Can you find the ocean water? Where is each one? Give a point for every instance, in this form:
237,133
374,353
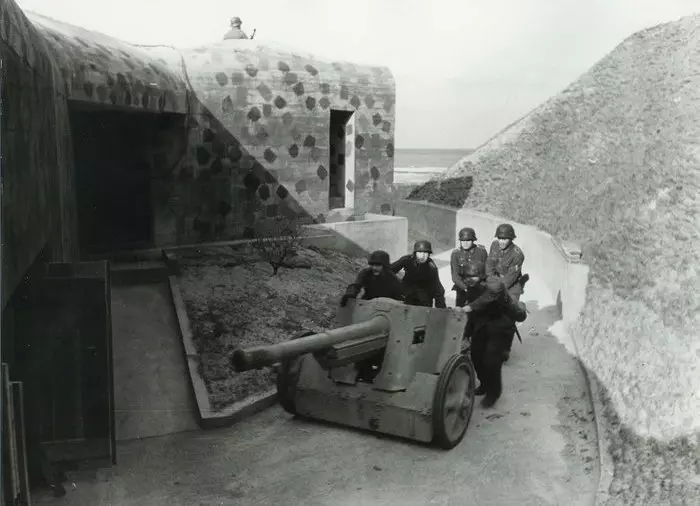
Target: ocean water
419,165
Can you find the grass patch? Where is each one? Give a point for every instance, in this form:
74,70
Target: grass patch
447,192
233,300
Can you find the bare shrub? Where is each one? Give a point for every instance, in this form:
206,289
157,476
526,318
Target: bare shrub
277,241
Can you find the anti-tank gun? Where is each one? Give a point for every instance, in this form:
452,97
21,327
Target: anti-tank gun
423,385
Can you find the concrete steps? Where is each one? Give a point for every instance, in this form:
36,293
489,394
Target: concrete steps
139,272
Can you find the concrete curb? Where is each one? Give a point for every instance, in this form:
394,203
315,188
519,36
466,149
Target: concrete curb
607,466
209,418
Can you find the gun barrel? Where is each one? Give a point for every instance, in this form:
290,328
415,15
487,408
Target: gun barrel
264,356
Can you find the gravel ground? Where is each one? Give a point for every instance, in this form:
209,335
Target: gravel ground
234,301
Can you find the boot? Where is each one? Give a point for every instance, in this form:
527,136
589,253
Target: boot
488,401
58,490
480,390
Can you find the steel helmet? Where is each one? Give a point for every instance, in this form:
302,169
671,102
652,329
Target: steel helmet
505,231
379,257
236,21
467,234
475,270
423,246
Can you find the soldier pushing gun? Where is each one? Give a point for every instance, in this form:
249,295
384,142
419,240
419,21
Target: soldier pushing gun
377,280
421,281
492,317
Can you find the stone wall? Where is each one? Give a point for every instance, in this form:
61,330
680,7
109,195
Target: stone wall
38,191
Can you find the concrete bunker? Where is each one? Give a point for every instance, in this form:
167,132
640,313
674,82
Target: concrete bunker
114,167
143,147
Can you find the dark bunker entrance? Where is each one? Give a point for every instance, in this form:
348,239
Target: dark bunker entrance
115,153
336,175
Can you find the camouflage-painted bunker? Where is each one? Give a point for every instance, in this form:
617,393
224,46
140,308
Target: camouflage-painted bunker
111,146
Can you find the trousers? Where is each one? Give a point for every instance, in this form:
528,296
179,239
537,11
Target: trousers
489,340
419,298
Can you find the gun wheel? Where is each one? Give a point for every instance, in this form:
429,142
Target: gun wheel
453,403
288,377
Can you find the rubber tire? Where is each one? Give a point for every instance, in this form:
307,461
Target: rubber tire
288,377
440,436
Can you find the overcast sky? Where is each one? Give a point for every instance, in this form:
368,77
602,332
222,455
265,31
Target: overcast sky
464,68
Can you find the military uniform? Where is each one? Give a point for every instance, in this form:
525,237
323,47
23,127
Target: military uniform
384,284
506,264
421,282
490,327
235,32
459,260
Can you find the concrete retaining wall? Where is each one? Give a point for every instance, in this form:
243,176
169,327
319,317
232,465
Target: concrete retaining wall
376,231
557,263
434,221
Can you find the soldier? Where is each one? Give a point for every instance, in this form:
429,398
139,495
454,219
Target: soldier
235,32
490,326
377,280
505,261
421,279
468,253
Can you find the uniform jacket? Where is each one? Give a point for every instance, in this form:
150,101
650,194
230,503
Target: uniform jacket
460,259
495,306
235,33
386,284
506,264
421,281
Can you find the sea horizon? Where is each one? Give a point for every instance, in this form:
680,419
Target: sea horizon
418,165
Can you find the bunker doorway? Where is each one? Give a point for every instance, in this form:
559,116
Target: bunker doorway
114,158
341,174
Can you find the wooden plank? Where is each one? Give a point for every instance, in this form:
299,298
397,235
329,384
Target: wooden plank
78,270
22,458
77,449
69,279
9,437
110,363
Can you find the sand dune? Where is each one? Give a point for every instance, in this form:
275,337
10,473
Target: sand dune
613,162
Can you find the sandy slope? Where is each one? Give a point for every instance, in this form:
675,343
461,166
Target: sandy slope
613,163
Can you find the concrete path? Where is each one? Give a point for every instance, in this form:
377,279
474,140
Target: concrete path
536,447
151,384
